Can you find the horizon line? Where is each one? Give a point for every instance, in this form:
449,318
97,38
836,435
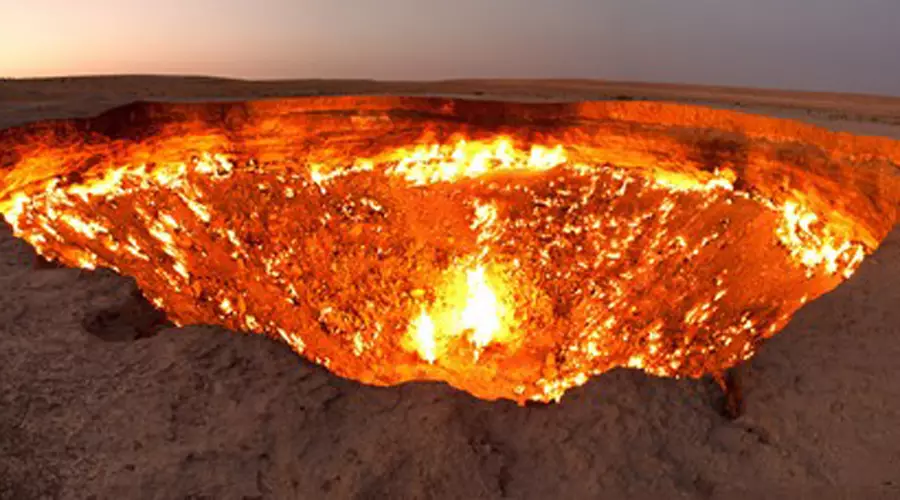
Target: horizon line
488,80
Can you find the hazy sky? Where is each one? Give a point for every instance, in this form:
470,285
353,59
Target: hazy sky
849,45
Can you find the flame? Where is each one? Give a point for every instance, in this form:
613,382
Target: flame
482,311
422,333
683,181
429,164
468,307
509,268
817,248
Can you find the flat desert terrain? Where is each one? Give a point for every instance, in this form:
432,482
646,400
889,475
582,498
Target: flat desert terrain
202,412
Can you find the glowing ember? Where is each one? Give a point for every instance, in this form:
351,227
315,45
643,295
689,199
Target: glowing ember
816,248
508,262
482,312
422,336
467,307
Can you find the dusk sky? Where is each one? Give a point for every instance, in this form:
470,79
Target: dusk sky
844,45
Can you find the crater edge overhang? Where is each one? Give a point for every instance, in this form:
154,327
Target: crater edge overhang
512,250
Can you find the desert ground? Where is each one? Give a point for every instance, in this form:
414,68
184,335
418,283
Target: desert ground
91,408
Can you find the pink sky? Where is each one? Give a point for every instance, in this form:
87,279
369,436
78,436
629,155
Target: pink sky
804,44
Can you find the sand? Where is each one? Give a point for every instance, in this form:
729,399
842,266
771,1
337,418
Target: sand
200,412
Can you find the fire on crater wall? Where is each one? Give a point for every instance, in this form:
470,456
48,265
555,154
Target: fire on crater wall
511,250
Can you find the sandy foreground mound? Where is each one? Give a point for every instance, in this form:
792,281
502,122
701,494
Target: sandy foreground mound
207,412
202,412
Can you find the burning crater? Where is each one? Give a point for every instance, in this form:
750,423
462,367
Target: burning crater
511,250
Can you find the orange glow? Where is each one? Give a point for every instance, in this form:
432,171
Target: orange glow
508,266
816,248
469,306
422,337
482,312
428,164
